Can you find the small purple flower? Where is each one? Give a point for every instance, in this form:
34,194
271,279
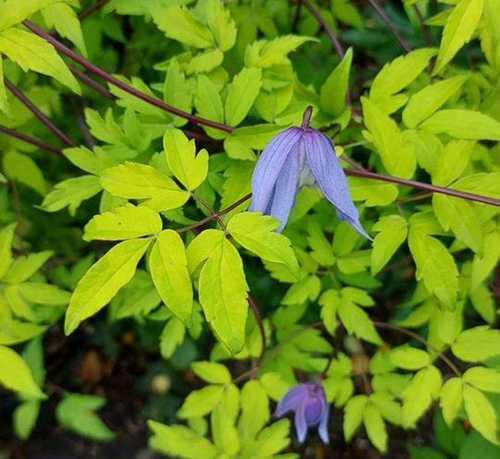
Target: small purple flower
296,157
308,401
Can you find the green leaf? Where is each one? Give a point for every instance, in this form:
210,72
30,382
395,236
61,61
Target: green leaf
139,181
25,266
461,217
257,233
254,410
169,270
71,192
409,358
333,95
180,441
177,91
64,19
482,378
483,266
189,168
459,29
13,12
202,246
435,266
25,417
223,419
451,399
463,124
373,193
375,427
211,372
452,162
392,232
103,281
4,103
397,155
127,222
23,169
221,24
201,402
6,238
353,415
17,376
241,95
31,52
76,413
180,24
477,344
481,413
41,293
429,99
476,446
357,322
208,103
223,295
272,439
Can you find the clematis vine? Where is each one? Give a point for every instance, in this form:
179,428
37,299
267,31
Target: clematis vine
308,402
297,157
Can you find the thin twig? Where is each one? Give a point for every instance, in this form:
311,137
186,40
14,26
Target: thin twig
86,80
380,11
92,9
326,27
260,324
31,140
44,119
120,84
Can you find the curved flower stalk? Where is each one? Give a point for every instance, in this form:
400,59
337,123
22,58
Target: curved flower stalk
297,157
308,402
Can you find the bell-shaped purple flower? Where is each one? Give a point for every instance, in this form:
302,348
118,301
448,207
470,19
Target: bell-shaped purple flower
308,402
300,156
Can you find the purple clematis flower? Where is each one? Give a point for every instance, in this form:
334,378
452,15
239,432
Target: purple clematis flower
308,401
296,157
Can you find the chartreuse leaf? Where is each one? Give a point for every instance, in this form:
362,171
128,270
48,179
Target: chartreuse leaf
31,52
482,266
139,181
409,358
16,375
4,103
482,378
257,233
212,372
452,162
103,281
459,29
223,295
371,192
25,266
271,440
397,155
353,415
223,419
202,246
477,344
169,270
375,427
172,337
76,413
254,410
71,192
64,19
24,418
177,91
463,124
201,402
435,266
180,441
419,394
41,293
180,24
481,413
333,95
12,13
429,99
221,24
6,238
190,169
451,399
241,95
23,169
208,103
392,232
126,222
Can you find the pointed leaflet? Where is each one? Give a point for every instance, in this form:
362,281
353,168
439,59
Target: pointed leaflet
169,271
208,103
256,232
6,238
223,295
31,52
481,413
333,96
4,104
482,378
392,231
353,415
190,169
375,427
25,266
127,222
451,399
459,29
16,375
202,247
26,171
103,281
212,372
201,402
241,95
13,12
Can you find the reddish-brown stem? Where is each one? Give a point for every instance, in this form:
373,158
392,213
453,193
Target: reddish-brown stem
326,27
260,324
86,80
92,9
38,113
31,140
380,11
120,84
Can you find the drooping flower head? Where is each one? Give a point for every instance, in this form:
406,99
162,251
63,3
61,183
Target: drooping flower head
308,402
299,156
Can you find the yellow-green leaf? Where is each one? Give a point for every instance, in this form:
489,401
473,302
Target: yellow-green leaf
392,231
6,238
241,95
451,399
481,413
375,427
